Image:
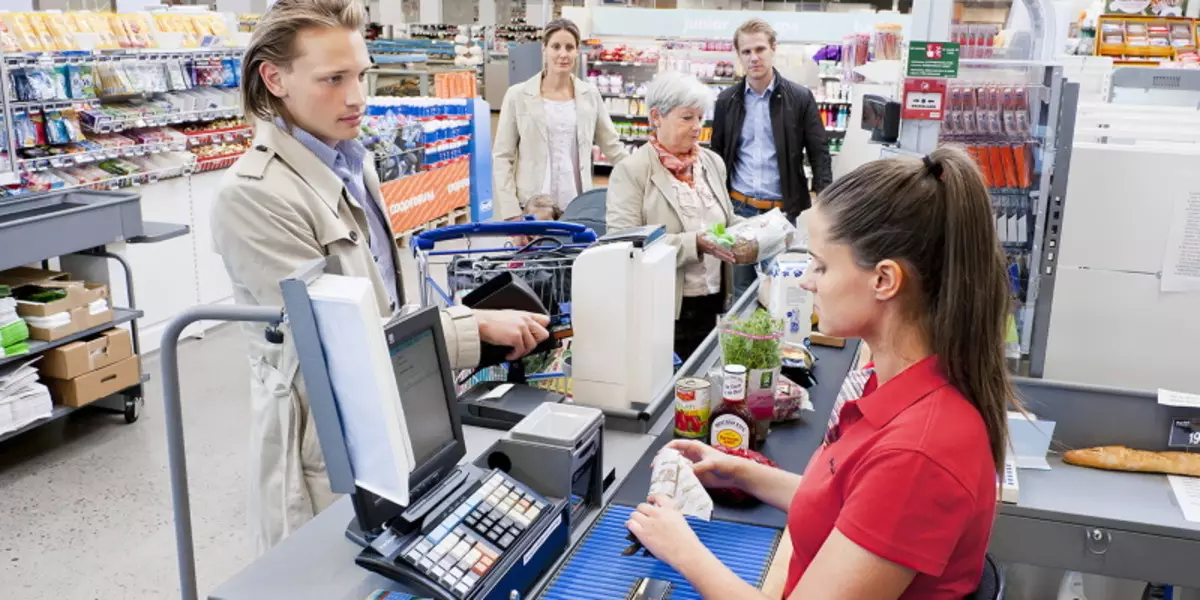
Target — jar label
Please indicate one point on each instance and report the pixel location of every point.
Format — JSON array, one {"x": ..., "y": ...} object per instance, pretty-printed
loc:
[{"x": 731, "y": 431}]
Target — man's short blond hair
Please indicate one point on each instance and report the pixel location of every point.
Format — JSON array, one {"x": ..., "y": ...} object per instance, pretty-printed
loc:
[
  {"x": 752, "y": 27},
  {"x": 274, "y": 41}
]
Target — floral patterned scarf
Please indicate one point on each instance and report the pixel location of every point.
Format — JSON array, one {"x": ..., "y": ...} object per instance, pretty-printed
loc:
[{"x": 680, "y": 165}]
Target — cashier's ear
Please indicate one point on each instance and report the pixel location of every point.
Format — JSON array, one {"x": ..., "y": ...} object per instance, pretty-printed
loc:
[{"x": 887, "y": 280}]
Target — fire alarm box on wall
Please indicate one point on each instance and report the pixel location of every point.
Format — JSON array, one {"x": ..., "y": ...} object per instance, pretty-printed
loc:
[{"x": 924, "y": 99}]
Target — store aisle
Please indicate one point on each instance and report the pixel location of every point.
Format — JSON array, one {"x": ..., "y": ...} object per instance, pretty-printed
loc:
[{"x": 90, "y": 497}]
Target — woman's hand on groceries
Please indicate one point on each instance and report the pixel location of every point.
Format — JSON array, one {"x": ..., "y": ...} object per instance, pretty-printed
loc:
[
  {"x": 713, "y": 468},
  {"x": 705, "y": 245},
  {"x": 522, "y": 331}
]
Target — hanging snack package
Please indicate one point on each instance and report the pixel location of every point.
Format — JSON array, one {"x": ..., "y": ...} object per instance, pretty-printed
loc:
[
  {"x": 82, "y": 81},
  {"x": 59, "y": 30},
  {"x": 56, "y": 133},
  {"x": 756, "y": 239},
  {"x": 25, "y": 136},
  {"x": 176, "y": 78},
  {"x": 39, "y": 127},
  {"x": 228, "y": 74},
  {"x": 671, "y": 476},
  {"x": 38, "y": 23},
  {"x": 22, "y": 31},
  {"x": 71, "y": 124},
  {"x": 61, "y": 91}
]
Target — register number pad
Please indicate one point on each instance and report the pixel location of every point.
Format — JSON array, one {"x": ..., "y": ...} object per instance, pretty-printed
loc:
[{"x": 495, "y": 537}]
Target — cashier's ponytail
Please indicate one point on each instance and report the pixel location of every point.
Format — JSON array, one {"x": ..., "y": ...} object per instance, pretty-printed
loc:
[{"x": 933, "y": 215}]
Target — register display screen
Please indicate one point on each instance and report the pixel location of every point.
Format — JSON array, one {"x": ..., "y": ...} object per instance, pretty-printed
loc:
[{"x": 422, "y": 395}]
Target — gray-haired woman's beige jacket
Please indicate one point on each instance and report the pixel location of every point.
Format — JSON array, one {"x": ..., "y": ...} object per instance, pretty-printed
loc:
[{"x": 521, "y": 152}]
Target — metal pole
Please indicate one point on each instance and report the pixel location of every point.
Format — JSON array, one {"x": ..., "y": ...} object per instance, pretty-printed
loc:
[{"x": 176, "y": 460}]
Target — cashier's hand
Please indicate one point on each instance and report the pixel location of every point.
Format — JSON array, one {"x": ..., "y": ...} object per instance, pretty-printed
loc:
[
  {"x": 713, "y": 468},
  {"x": 664, "y": 532},
  {"x": 521, "y": 330}
]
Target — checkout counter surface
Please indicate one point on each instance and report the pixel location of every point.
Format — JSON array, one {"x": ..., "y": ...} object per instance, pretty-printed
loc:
[{"x": 1117, "y": 524}]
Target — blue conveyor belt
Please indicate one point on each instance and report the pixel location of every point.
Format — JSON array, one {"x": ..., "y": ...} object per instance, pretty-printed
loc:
[{"x": 597, "y": 571}]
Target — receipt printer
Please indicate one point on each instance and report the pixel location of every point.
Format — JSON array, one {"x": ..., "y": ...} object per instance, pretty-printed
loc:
[{"x": 558, "y": 451}]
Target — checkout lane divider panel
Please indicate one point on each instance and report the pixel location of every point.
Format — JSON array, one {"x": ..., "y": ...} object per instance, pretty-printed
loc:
[{"x": 596, "y": 569}]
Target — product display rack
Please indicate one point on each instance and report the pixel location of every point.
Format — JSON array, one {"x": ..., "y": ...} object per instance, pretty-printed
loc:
[
  {"x": 1012, "y": 118},
  {"x": 140, "y": 154}
]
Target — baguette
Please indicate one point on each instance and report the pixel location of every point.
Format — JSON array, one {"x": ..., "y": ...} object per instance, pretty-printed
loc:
[{"x": 1120, "y": 458}]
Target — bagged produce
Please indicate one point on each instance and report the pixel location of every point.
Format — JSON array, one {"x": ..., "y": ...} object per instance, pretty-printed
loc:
[
  {"x": 755, "y": 239},
  {"x": 754, "y": 342}
]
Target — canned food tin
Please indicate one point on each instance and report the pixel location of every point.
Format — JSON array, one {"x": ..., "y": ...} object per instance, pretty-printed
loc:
[
  {"x": 734, "y": 383},
  {"x": 692, "y": 408}
]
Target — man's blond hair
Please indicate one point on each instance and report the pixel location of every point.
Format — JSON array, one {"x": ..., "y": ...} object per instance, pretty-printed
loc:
[
  {"x": 752, "y": 27},
  {"x": 274, "y": 41}
]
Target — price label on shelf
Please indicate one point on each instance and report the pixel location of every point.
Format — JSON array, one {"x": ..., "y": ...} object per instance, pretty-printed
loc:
[{"x": 1185, "y": 433}]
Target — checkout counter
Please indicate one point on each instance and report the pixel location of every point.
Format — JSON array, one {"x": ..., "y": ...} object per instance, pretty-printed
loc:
[{"x": 1117, "y": 524}]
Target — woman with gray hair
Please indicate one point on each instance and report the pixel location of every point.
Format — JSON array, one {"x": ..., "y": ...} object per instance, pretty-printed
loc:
[{"x": 673, "y": 182}]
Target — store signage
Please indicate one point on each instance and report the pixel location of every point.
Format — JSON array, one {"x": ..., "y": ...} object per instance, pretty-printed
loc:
[
  {"x": 415, "y": 200},
  {"x": 924, "y": 99},
  {"x": 1185, "y": 433},
  {"x": 933, "y": 59},
  {"x": 687, "y": 24}
]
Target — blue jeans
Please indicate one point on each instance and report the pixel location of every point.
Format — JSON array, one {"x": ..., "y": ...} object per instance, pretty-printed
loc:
[{"x": 743, "y": 275}]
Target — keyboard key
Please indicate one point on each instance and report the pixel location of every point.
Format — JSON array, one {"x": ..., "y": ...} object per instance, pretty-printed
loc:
[
  {"x": 447, "y": 562},
  {"x": 521, "y": 520},
  {"x": 448, "y": 581},
  {"x": 523, "y": 504},
  {"x": 493, "y": 537},
  {"x": 424, "y": 546},
  {"x": 457, "y": 573},
  {"x": 506, "y": 522},
  {"x": 489, "y": 554},
  {"x": 473, "y": 556},
  {"x": 506, "y": 541},
  {"x": 497, "y": 514},
  {"x": 460, "y": 550},
  {"x": 413, "y": 556},
  {"x": 426, "y": 565},
  {"x": 462, "y": 511},
  {"x": 480, "y": 568},
  {"x": 437, "y": 572},
  {"x": 461, "y": 589},
  {"x": 436, "y": 535},
  {"x": 533, "y": 513},
  {"x": 471, "y": 579}
]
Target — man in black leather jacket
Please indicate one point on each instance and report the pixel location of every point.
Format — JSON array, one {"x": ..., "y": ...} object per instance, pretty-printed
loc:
[{"x": 762, "y": 128}]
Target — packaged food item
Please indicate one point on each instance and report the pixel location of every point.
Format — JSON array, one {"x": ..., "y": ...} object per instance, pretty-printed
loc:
[
  {"x": 60, "y": 31},
  {"x": 755, "y": 342},
  {"x": 81, "y": 82},
  {"x": 59, "y": 74},
  {"x": 22, "y": 30},
  {"x": 755, "y": 239},
  {"x": 790, "y": 400},
  {"x": 8, "y": 42},
  {"x": 38, "y": 121},
  {"x": 693, "y": 408},
  {"x": 671, "y": 476},
  {"x": 38, "y": 23},
  {"x": 56, "y": 133},
  {"x": 733, "y": 425},
  {"x": 23, "y": 130},
  {"x": 735, "y": 496}
]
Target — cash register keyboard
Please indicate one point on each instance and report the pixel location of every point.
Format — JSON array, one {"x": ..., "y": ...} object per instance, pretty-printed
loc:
[{"x": 465, "y": 545}]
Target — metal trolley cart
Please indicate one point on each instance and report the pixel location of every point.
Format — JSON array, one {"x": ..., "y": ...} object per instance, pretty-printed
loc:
[{"x": 544, "y": 264}]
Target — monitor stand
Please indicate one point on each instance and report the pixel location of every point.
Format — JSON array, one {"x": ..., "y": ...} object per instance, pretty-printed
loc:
[{"x": 485, "y": 406}]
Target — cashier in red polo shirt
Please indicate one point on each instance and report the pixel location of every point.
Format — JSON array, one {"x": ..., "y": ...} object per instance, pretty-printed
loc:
[{"x": 898, "y": 502}]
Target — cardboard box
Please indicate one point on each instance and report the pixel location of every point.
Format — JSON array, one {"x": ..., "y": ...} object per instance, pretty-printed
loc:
[
  {"x": 101, "y": 383},
  {"x": 81, "y": 320},
  {"x": 78, "y": 293},
  {"x": 83, "y": 356}
]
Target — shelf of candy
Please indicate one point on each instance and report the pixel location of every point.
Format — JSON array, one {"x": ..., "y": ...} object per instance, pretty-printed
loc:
[
  {"x": 51, "y": 31},
  {"x": 112, "y": 173},
  {"x": 616, "y": 85},
  {"x": 213, "y": 132},
  {"x": 197, "y": 104},
  {"x": 31, "y": 128},
  {"x": 623, "y": 55},
  {"x": 222, "y": 155},
  {"x": 975, "y": 41},
  {"x": 68, "y": 84},
  {"x": 1183, "y": 38},
  {"x": 102, "y": 147}
]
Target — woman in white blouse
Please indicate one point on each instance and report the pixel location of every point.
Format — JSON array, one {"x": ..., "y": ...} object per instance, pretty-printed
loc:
[
  {"x": 547, "y": 128},
  {"x": 673, "y": 182}
]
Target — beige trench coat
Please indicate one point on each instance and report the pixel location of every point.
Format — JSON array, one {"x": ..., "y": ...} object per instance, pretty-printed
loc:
[
  {"x": 641, "y": 192},
  {"x": 521, "y": 153},
  {"x": 278, "y": 208}
]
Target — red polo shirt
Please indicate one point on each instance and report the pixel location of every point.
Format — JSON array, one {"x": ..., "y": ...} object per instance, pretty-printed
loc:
[{"x": 907, "y": 474}]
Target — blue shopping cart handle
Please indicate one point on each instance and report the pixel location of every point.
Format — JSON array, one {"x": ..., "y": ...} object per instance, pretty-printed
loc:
[{"x": 580, "y": 234}]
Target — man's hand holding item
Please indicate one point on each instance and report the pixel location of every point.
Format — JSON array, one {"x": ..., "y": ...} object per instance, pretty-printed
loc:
[{"x": 522, "y": 331}]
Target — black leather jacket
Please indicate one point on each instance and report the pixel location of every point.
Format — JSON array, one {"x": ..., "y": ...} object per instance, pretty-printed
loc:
[{"x": 798, "y": 129}]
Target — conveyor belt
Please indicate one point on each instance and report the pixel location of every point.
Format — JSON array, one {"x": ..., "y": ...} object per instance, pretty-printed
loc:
[{"x": 596, "y": 570}]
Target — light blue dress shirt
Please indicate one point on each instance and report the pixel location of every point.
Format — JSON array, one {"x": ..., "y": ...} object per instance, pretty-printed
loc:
[
  {"x": 757, "y": 171},
  {"x": 346, "y": 161}
]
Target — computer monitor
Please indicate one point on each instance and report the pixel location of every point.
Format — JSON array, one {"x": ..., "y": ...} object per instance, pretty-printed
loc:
[{"x": 421, "y": 365}]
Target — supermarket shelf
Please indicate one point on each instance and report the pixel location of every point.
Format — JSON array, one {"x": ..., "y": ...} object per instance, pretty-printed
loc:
[
  {"x": 117, "y": 182},
  {"x": 57, "y": 412},
  {"x": 158, "y": 120},
  {"x": 219, "y": 135},
  {"x": 634, "y": 96},
  {"x": 34, "y": 165},
  {"x": 216, "y": 163},
  {"x": 835, "y": 102},
  {"x": 122, "y": 55},
  {"x": 52, "y": 104},
  {"x": 120, "y": 317},
  {"x": 622, "y": 63}
]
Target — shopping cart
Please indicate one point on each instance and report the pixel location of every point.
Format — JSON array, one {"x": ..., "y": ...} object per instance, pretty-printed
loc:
[{"x": 544, "y": 264}]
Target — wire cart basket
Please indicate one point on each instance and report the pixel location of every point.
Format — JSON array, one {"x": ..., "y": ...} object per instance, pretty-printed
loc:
[{"x": 544, "y": 264}]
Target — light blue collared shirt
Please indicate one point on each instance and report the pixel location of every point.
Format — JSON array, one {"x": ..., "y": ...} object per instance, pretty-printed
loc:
[
  {"x": 757, "y": 171},
  {"x": 346, "y": 161}
]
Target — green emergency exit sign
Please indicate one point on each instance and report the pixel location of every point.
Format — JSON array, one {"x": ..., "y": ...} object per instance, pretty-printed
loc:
[{"x": 933, "y": 59}]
